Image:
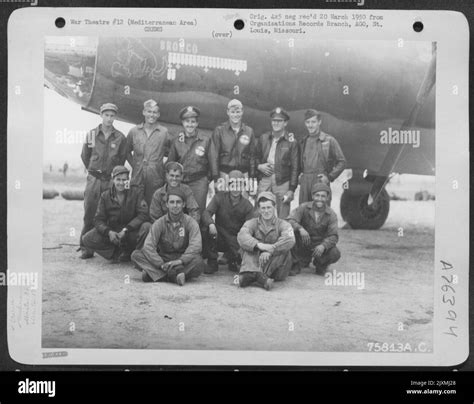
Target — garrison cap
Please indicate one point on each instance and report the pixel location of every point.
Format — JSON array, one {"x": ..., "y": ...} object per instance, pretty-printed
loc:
[
  {"x": 173, "y": 165},
  {"x": 279, "y": 113},
  {"x": 108, "y": 107},
  {"x": 236, "y": 174},
  {"x": 176, "y": 191},
  {"x": 234, "y": 103},
  {"x": 320, "y": 186},
  {"x": 119, "y": 170},
  {"x": 310, "y": 113},
  {"x": 189, "y": 112},
  {"x": 266, "y": 195}
]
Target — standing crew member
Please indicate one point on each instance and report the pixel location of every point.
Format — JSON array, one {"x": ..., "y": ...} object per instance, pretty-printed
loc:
[
  {"x": 231, "y": 211},
  {"x": 172, "y": 250},
  {"x": 315, "y": 225},
  {"x": 147, "y": 145},
  {"x": 195, "y": 151},
  {"x": 320, "y": 154},
  {"x": 120, "y": 221},
  {"x": 266, "y": 242},
  {"x": 104, "y": 148},
  {"x": 235, "y": 143},
  {"x": 174, "y": 176},
  {"x": 278, "y": 158}
]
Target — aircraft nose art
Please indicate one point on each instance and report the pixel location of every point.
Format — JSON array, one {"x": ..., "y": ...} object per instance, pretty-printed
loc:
[{"x": 70, "y": 67}]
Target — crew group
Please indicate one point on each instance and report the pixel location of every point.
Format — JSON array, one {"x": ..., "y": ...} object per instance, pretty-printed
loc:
[{"x": 158, "y": 217}]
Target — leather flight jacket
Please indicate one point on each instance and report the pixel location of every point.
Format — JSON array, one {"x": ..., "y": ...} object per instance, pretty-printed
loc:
[{"x": 287, "y": 158}]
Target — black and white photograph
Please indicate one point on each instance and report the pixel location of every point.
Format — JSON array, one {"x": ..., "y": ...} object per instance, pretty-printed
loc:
[
  {"x": 218, "y": 193},
  {"x": 332, "y": 250}
]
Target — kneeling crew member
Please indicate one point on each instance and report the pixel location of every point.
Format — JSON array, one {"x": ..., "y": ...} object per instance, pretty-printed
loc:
[
  {"x": 266, "y": 242},
  {"x": 174, "y": 176},
  {"x": 315, "y": 225},
  {"x": 120, "y": 224},
  {"x": 172, "y": 250},
  {"x": 231, "y": 211}
]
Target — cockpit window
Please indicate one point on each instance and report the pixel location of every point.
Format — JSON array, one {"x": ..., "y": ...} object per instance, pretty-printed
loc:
[{"x": 70, "y": 66}]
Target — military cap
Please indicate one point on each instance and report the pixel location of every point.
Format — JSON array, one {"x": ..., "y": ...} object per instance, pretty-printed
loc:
[
  {"x": 119, "y": 170},
  {"x": 266, "y": 195},
  {"x": 279, "y": 113},
  {"x": 236, "y": 174},
  {"x": 310, "y": 113},
  {"x": 173, "y": 165},
  {"x": 320, "y": 186},
  {"x": 234, "y": 103},
  {"x": 150, "y": 104},
  {"x": 189, "y": 112},
  {"x": 176, "y": 191},
  {"x": 108, "y": 107}
]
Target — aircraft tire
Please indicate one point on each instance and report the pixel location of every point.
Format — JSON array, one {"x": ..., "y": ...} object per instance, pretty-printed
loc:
[{"x": 359, "y": 215}]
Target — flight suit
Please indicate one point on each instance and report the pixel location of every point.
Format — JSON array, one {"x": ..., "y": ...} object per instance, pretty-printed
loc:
[
  {"x": 318, "y": 155},
  {"x": 285, "y": 166},
  {"x": 111, "y": 215},
  {"x": 158, "y": 206},
  {"x": 235, "y": 151},
  {"x": 99, "y": 156},
  {"x": 323, "y": 231},
  {"x": 198, "y": 157},
  {"x": 280, "y": 234},
  {"x": 147, "y": 158},
  {"x": 168, "y": 241},
  {"x": 229, "y": 219}
]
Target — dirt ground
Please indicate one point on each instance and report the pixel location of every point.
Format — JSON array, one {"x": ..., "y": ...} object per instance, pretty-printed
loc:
[{"x": 110, "y": 307}]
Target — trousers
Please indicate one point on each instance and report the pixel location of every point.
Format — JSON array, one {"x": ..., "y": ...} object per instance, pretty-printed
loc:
[
  {"x": 101, "y": 244},
  {"x": 94, "y": 189},
  {"x": 306, "y": 184},
  {"x": 192, "y": 269},
  {"x": 200, "y": 187},
  {"x": 327, "y": 258},
  {"x": 269, "y": 184},
  {"x": 278, "y": 267},
  {"x": 302, "y": 255},
  {"x": 225, "y": 242},
  {"x": 249, "y": 278}
]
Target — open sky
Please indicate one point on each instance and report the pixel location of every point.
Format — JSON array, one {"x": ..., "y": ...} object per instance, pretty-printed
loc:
[{"x": 65, "y": 125}]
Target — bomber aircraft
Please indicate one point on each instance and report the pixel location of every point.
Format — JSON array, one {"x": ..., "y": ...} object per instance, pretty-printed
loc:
[{"x": 377, "y": 98}]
